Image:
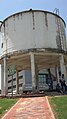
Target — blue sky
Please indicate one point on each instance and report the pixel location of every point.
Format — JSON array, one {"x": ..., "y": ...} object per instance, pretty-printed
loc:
[{"x": 8, "y": 7}]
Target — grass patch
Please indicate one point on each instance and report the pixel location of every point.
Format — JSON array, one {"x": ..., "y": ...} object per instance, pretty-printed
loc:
[
  {"x": 5, "y": 104},
  {"x": 59, "y": 106}
]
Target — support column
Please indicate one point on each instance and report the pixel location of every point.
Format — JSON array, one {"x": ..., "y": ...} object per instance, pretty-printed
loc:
[
  {"x": 37, "y": 78},
  {"x": 56, "y": 72},
  {"x": 33, "y": 71},
  {"x": 17, "y": 83},
  {"x": 62, "y": 66},
  {"x": 57, "y": 75},
  {"x": 2, "y": 80},
  {"x": 5, "y": 77}
]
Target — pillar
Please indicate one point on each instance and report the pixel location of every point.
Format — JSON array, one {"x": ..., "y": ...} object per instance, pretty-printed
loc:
[
  {"x": 56, "y": 72},
  {"x": 33, "y": 72},
  {"x": 5, "y": 77},
  {"x": 62, "y": 66},
  {"x": 23, "y": 80},
  {"x": 57, "y": 75},
  {"x": 2, "y": 80},
  {"x": 37, "y": 78},
  {"x": 17, "y": 83}
]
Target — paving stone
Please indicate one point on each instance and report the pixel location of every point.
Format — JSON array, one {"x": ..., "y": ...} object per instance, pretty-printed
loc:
[{"x": 30, "y": 108}]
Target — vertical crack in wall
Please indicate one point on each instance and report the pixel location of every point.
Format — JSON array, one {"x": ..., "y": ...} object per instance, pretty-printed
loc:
[
  {"x": 46, "y": 20},
  {"x": 5, "y": 39},
  {"x": 14, "y": 22},
  {"x": 61, "y": 37},
  {"x": 21, "y": 15},
  {"x": 33, "y": 20},
  {"x": 58, "y": 37}
]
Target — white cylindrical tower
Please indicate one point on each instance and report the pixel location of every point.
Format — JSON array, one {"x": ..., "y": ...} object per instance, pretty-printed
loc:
[{"x": 33, "y": 29}]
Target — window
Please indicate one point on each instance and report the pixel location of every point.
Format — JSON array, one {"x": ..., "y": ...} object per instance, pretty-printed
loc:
[
  {"x": 14, "y": 86},
  {"x": 42, "y": 78},
  {"x": 9, "y": 87},
  {"x": 9, "y": 81},
  {"x": 20, "y": 77},
  {"x": 20, "y": 85}
]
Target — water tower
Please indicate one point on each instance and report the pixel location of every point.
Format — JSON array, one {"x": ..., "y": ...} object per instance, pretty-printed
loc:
[{"x": 34, "y": 40}]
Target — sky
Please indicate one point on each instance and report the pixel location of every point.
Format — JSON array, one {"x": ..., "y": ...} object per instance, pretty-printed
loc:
[{"x": 9, "y": 7}]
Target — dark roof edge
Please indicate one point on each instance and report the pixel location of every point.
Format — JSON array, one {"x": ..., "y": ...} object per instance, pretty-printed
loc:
[{"x": 34, "y": 11}]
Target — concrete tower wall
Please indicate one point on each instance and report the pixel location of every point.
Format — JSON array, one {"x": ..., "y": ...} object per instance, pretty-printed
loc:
[{"x": 33, "y": 29}]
